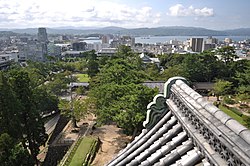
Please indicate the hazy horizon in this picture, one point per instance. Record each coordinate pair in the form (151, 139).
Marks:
(90, 28)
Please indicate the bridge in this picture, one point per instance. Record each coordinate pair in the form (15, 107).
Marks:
(182, 128)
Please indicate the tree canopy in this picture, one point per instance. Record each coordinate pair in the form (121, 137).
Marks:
(118, 94)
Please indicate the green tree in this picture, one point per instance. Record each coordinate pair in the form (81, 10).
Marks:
(221, 88)
(172, 71)
(9, 110)
(124, 52)
(168, 60)
(6, 145)
(120, 71)
(243, 80)
(118, 95)
(44, 101)
(58, 83)
(12, 153)
(246, 120)
(130, 108)
(80, 90)
(211, 66)
(32, 127)
(92, 64)
(152, 70)
(93, 67)
(75, 109)
(227, 54)
(194, 68)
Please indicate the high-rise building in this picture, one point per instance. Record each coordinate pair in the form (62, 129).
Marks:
(79, 46)
(54, 50)
(211, 40)
(196, 44)
(105, 39)
(32, 51)
(42, 35)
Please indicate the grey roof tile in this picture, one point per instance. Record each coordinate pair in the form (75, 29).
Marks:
(176, 154)
(173, 140)
(222, 116)
(202, 101)
(235, 126)
(211, 108)
(191, 158)
(195, 95)
(245, 134)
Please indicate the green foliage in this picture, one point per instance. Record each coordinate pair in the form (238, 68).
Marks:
(9, 110)
(92, 64)
(12, 153)
(227, 54)
(58, 83)
(212, 68)
(168, 60)
(246, 120)
(206, 67)
(82, 77)
(228, 100)
(31, 124)
(194, 71)
(75, 110)
(243, 79)
(232, 114)
(235, 110)
(80, 90)
(117, 93)
(124, 52)
(152, 70)
(120, 71)
(6, 145)
(45, 102)
(222, 88)
(26, 93)
(65, 107)
(93, 67)
(172, 71)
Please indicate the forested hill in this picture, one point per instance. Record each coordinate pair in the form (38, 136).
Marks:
(158, 31)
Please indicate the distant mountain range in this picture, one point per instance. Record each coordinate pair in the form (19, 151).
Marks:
(159, 31)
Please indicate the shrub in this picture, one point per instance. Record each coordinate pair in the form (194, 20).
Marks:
(228, 100)
(234, 110)
(246, 120)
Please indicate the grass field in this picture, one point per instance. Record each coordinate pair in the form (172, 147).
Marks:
(232, 114)
(82, 151)
(82, 77)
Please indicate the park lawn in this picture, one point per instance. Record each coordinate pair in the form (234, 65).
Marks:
(82, 151)
(82, 77)
(232, 114)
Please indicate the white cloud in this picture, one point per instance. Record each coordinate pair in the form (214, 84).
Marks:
(180, 10)
(51, 13)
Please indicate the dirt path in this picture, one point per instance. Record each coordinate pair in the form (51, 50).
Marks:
(112, 142)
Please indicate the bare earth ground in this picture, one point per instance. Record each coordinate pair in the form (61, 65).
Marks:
(112, 142)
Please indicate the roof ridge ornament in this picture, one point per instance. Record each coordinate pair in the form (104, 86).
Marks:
(170, 82)
(155, 111)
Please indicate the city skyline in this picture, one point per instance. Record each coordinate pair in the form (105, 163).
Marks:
(217, 15)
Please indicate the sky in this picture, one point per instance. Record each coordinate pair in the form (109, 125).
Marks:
(211, 14)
